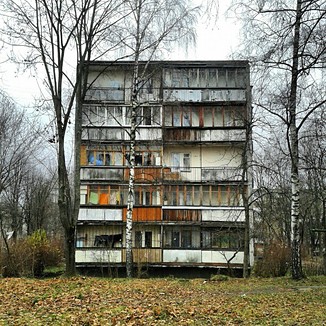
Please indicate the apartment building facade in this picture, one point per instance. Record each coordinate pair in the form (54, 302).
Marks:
(190, 180)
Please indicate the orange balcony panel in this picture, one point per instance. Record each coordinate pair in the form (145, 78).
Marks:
(144, 214)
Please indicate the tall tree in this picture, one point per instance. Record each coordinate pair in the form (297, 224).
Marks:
(151, 28)
(56, 36)
(284, 39)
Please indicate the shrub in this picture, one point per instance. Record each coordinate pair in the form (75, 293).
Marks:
(274, 262)
(29, 257)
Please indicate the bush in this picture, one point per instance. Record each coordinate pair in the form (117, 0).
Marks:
(29, 257)
(274, 262)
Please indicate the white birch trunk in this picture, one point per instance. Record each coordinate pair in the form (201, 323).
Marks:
(133, 126)
(294, 150)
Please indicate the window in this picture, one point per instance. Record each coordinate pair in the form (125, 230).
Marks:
(105, 155)
(144, 157)
(180, 162)
(81, 241)
(186, 239)
(203, 195)
(175, 243)
(148, 239)
(145, 116)
(105, 195)
(146, 196)
(114, 115)
(181, 237)
(138, 239)
(214, 238)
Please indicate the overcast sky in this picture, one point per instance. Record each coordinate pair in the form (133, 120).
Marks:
(214, 42)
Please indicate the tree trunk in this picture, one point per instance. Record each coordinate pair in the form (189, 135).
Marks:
(133, 127)
(70, 251)
(323, 248)
(64, 199)
(294, 150)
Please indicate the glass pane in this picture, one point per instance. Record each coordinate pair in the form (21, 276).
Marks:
(176, 117)
(206, 239)
(148, 239)
(138, 239)
(197, 195)
(224, 196)
(206, 194)
(186, 239)
(221, 78)
(175, 239)
(208, 117)
(214, 195)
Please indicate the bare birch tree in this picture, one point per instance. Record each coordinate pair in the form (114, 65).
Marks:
(151, 28)
(284, 40)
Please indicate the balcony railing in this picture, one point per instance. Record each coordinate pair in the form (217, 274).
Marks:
(105, 94)
(159, 174)
(121, 134)
(204, 95)
(204, 135)
(109, 94)
(202, 174)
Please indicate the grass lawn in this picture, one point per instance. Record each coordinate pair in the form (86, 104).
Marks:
(170, 301)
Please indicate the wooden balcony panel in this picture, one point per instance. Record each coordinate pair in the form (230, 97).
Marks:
(168, 175)
(148, 174)
(145, 255)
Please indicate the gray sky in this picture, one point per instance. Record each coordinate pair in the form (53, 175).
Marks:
(214, 42)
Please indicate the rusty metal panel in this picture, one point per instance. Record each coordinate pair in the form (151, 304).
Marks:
(182, 215)
(181, 134)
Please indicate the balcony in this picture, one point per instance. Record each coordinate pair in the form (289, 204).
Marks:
(206, 174)
(99, 173)
(105, 94)
(173, 257)
(119, 95)
(173, 135)
(99, 214)
(121, 134)
(204, 95)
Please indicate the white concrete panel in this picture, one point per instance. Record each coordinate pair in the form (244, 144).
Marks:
(221, 156)
(229, 215)
(181, 256)
(100, 214)
(222, 257)
(148, 134)
(98, 256)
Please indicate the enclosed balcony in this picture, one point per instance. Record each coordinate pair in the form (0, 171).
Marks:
(202, 174)
(204, 95)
